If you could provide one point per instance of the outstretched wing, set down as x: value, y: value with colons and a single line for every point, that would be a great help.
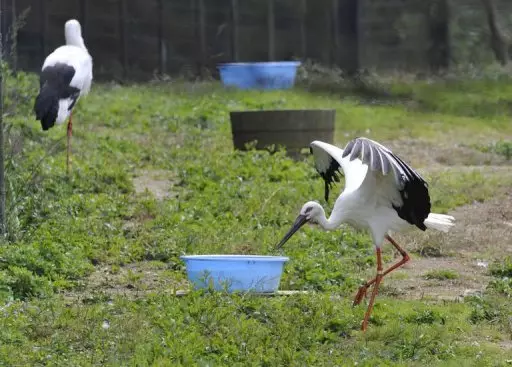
x: 330, y: 164
x: 374, y: 170
x: 393, y: 176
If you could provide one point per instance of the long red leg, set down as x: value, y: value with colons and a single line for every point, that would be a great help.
x: 70, y: 132
x: 362, y: 290
x: 378, y: 279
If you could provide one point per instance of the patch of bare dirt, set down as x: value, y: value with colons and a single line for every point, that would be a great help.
x: 483, y: 230
x: 132, y: 281
x: 157, y: 182
x: 421, y: 153
x: 413, y: 281
x: 482, y: 234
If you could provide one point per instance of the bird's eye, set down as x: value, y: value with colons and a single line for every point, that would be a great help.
x: 308, y: 210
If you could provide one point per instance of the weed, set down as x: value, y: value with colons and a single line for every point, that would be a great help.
x: 502, y: 147
x: 502, y: 272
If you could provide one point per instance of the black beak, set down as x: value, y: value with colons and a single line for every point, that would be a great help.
x: 299, y: 222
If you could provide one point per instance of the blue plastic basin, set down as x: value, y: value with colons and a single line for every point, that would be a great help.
x: 246, y: 273
x: 259, y: 75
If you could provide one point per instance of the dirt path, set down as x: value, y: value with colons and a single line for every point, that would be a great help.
x: 483, y: 232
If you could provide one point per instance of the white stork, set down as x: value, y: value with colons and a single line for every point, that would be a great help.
x: 65, y: 77
x: 382, y: 193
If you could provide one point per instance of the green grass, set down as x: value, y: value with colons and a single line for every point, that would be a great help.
x: 442, y: 274
x: 499, y: 147
x: 502, y: 273
x: 221, y: 201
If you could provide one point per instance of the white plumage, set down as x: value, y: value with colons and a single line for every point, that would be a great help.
x: 66, y: 75
x: 382, y: 193
x: 80, y: 60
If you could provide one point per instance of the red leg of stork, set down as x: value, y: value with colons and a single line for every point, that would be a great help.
x: 362, y: 290
x: 377, y: 280
x: 70, y: 132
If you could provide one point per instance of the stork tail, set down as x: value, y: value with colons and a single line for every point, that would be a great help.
x: 440, y: 222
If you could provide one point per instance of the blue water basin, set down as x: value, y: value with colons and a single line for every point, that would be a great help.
x: 259, y: 75
x: 245, y: 273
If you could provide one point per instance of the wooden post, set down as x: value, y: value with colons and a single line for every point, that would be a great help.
x: 336, y: 32
x: 202, y: 35
x: 162, y: 49
x: 303, y: 31
x: 271, y: 30
x: 44, y: 26
x: 123, y: 35
x: 234, y: 30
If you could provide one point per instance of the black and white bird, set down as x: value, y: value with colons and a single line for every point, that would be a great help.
x: 66, y: 75
x: 382, y: 194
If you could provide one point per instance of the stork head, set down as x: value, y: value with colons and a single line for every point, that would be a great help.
x: 73, y: 33
x: 310, y: 212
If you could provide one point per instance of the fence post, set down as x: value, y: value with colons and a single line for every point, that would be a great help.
x: 234, y: 30
x: 438, y: 23
x: 271, y: 30
x: 83, y: 16
x: 162, y: 49
x: 122, y: 31
x: 336, y: 32
x: 202, y: 35
x: 303, y: 30
x: 44, y: 21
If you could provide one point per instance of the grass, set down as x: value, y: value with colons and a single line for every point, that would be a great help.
x: 442, y: 274
x: 502, y: 273
x: 499, y: 147
x: 63, y: 229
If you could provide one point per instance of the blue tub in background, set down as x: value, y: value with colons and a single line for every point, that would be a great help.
x: 244, y: 273
x: 259, y: 75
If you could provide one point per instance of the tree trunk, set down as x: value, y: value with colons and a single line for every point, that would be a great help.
x: 499, y: 43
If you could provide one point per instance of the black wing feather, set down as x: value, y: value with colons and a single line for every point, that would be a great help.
x: 331, y: 175
x: 54, y: 84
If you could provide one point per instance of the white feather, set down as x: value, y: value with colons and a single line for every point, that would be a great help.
x: 440, y: 222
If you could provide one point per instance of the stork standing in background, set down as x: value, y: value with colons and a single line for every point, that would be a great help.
x: 382, y: 194
x: 65, y: 77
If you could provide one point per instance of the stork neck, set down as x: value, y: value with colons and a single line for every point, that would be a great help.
x: 74, y: 38
x: 333, y: 222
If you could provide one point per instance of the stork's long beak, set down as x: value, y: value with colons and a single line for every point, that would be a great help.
x: 299, y: 222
